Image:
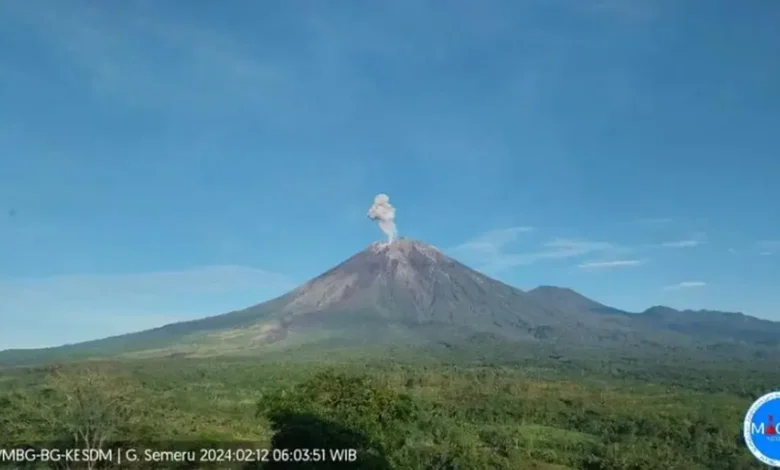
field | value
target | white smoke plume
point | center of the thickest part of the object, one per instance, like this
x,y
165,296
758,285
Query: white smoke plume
x,y
384,213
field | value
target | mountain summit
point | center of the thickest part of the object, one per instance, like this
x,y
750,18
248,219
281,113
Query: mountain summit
x,y
407,292
411,283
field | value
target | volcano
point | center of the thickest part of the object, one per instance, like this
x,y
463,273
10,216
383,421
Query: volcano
x,y
408,293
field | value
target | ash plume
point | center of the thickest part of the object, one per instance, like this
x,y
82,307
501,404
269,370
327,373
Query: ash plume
x,y
384,213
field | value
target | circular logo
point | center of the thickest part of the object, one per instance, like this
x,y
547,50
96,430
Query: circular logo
x,y
762,430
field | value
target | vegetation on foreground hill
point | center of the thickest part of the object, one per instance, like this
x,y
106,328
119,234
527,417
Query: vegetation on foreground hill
x,y
404,416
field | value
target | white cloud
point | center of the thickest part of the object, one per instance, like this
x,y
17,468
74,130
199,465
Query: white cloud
x,y
685,285
611,264
63,309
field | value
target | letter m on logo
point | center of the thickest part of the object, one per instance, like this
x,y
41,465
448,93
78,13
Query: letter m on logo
x,y
756,429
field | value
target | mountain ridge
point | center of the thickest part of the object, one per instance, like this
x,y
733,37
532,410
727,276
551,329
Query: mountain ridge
x,y
408,291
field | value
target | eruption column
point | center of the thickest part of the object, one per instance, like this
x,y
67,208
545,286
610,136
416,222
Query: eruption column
x,y
384,213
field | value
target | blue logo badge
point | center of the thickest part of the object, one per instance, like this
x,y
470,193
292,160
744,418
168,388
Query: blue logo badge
x,y
762,430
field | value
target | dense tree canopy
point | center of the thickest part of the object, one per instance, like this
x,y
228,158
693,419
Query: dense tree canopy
x,y
410,416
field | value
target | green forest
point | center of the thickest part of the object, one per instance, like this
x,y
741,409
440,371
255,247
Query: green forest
x,y
397,415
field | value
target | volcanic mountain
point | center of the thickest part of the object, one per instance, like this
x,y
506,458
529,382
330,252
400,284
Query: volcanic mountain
x,y
408,293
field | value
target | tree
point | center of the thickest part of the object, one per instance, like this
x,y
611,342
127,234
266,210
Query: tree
x,y
340,411
86,408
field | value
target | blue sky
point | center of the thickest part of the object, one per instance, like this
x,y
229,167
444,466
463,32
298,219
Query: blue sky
x,y
162,163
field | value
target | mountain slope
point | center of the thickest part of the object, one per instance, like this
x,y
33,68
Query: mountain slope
x,y
713,326
409,293
567,300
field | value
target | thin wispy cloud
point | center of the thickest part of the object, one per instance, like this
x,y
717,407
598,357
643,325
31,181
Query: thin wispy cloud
x,y
682,244
109,49
685,285
695,240
490,253
571,247
154,59
493,241
612,264
768,247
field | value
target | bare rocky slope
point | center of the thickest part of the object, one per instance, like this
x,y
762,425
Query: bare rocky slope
x,y
409,293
